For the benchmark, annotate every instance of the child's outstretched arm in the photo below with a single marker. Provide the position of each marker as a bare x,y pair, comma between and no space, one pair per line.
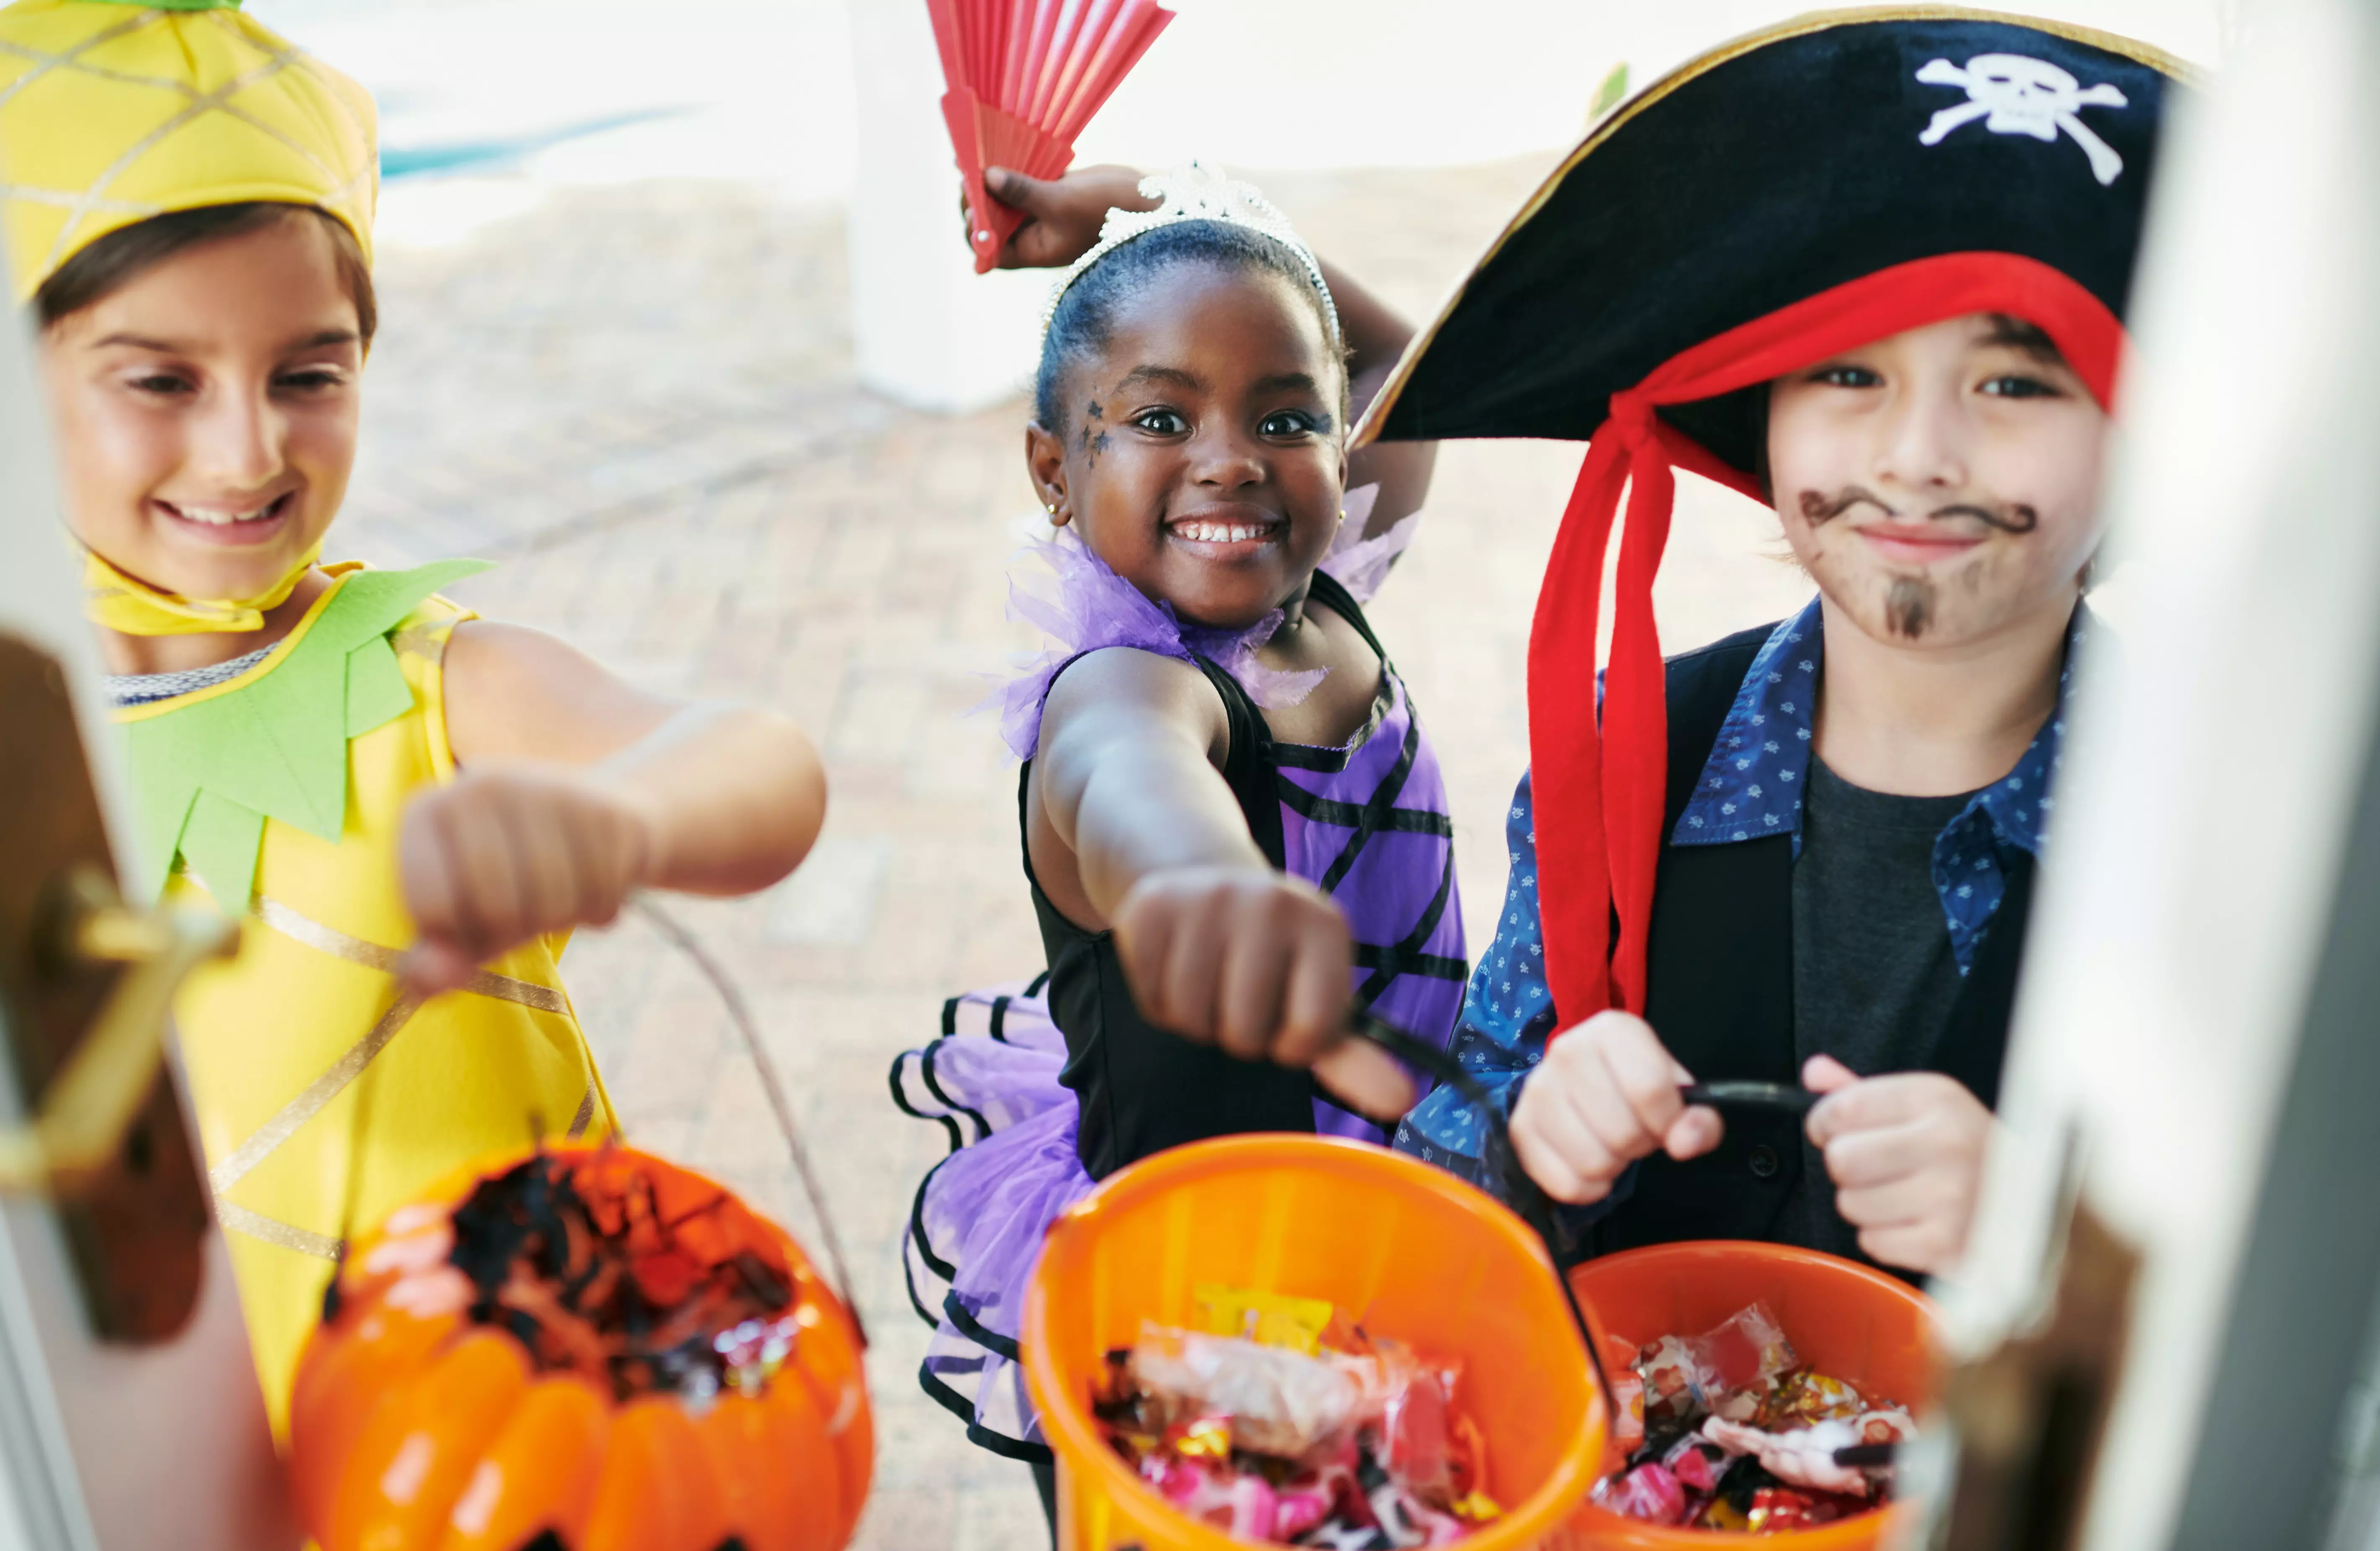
1063,220
575,790
1218,946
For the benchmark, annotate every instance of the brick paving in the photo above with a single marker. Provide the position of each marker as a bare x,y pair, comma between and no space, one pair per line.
641,399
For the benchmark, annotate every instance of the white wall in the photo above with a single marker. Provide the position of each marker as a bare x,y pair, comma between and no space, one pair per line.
829,99
1271,84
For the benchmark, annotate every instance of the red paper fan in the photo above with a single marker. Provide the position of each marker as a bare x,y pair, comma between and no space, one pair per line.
1025,77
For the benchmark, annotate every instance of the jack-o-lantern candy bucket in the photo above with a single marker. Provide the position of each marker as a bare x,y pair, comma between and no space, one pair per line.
581,1348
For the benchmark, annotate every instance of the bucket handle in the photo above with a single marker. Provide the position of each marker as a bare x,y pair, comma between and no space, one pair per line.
1496,1152
739,1012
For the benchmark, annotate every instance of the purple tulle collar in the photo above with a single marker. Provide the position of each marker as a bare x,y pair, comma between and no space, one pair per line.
1093,608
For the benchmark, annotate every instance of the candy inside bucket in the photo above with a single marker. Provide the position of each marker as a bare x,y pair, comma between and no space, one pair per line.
1821,1321
1399,1249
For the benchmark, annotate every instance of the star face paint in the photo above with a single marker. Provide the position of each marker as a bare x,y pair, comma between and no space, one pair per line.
1941,483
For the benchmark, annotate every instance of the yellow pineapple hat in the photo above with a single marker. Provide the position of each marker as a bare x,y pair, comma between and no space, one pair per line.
112,112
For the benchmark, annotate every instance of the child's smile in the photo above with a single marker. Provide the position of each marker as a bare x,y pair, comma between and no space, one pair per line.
1232,531
229,522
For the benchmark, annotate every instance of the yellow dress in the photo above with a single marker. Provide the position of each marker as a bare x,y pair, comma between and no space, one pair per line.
311,1076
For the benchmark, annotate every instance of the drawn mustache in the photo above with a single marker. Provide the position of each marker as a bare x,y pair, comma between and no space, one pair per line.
2010,516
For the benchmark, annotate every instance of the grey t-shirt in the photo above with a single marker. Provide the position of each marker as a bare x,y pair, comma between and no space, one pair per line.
1873,976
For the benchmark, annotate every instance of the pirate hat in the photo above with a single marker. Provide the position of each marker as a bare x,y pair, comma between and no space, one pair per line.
1791,195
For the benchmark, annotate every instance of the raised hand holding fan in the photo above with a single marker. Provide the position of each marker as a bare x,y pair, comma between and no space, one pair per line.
1025,77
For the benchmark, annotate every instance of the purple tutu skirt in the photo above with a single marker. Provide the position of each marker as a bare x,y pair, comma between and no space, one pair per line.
976,1228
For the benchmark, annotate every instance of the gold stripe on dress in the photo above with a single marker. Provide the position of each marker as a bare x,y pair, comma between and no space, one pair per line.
272,1231
318,1094
307,1104
585,1116
372,956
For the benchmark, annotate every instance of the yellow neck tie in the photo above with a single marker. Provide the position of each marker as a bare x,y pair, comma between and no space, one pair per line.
127,604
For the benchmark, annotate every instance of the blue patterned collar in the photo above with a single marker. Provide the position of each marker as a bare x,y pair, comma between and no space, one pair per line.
1751,786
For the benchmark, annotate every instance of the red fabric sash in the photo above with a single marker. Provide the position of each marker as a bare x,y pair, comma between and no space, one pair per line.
1599,791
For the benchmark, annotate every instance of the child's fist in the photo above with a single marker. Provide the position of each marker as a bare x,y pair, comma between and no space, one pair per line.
506,855
1906,1154
1255,961
1062,217
1605,1095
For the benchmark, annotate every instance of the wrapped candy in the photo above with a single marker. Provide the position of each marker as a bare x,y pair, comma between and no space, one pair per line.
1667,1370
1724,1516
1627,1397
1738,1357
1805,1457
1696,1463
1269,1399
1805,1396
1268,1318
1778,1509
1885,1425
1651,1493
1359,1448
1728,1431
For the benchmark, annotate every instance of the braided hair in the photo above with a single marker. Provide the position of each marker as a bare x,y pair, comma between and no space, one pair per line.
1084,319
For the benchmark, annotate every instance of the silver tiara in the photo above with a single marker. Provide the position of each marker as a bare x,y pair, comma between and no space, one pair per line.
1197,192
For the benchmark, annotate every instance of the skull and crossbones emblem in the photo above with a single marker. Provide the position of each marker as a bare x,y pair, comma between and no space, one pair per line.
2016,95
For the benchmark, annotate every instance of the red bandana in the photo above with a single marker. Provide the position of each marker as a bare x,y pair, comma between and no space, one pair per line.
1599,821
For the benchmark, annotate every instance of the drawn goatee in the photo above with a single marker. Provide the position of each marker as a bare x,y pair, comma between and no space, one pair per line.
1909,606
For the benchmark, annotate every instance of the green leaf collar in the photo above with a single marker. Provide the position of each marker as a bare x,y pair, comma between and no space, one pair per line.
206,776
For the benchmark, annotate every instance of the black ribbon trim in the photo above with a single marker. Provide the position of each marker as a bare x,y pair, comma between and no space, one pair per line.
1375,810
1408,948
918,1236
1434,966
1348,816
977,1434
900,1099
934,1086
977,1330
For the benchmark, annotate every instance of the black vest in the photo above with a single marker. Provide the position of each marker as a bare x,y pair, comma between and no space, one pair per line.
1721,988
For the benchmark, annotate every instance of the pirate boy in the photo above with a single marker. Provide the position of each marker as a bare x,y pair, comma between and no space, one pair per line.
1871,268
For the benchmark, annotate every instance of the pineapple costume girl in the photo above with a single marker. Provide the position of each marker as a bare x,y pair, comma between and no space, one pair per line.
272,787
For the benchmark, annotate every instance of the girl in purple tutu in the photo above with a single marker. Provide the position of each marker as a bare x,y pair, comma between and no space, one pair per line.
1234,831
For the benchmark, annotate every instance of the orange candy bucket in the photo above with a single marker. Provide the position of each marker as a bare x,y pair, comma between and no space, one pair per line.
1404,1248
1873,1331
414,1428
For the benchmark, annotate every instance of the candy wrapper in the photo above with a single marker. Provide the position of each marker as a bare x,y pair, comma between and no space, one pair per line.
1267,1318
1732,1432
1280,1435
1269,1399
1668,1372
1802,1458
1730,1366
1803,1397
1651,1493
1885,1425
1776,1509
